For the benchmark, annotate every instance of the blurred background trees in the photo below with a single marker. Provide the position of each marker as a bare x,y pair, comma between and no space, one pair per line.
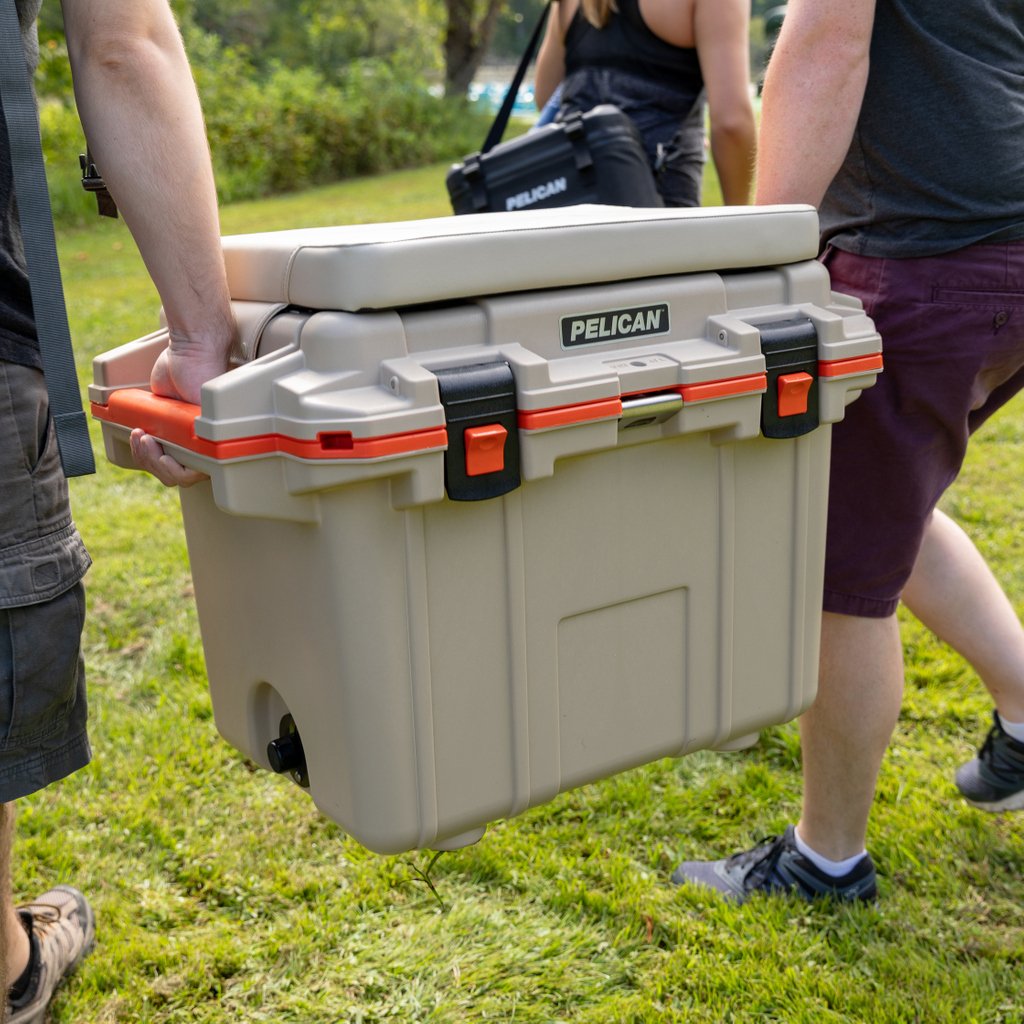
300,92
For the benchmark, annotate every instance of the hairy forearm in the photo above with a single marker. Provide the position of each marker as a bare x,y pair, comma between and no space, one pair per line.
141,114
812,96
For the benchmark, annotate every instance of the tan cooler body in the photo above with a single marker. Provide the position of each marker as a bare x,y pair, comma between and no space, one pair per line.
502,505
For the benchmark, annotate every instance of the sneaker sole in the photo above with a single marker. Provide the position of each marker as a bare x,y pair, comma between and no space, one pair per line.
90,931
1015,802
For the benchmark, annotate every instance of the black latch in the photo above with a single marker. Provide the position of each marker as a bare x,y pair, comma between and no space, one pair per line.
790,405
483,433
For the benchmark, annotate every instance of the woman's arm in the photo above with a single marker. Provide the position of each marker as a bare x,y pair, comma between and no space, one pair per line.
721,33
550,69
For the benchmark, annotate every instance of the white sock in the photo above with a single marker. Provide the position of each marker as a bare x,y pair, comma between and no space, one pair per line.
1015,730
833,868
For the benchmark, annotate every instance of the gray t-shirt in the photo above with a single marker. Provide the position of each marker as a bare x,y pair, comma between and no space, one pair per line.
937,159
28,12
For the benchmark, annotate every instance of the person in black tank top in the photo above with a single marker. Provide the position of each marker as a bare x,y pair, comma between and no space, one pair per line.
613,56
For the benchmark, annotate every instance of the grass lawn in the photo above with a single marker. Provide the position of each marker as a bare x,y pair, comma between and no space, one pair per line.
223,896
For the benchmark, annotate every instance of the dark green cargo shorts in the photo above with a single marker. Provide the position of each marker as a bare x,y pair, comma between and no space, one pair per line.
42,600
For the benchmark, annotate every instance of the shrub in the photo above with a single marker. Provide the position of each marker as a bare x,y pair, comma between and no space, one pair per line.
291,128
288,128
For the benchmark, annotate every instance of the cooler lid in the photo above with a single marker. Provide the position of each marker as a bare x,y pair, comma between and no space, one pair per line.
406,263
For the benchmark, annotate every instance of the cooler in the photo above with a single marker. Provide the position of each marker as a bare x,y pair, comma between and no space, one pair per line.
502,505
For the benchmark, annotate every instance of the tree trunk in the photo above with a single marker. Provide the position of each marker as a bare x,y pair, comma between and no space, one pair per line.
466,40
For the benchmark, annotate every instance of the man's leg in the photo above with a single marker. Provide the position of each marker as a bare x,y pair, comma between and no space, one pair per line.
62,930
844,736
953,592
845,732
955,595
14,945
887,470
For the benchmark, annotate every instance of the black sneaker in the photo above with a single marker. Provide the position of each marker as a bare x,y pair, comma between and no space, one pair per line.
775,865
994,780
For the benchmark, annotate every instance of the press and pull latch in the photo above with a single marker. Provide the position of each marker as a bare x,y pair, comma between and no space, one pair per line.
790,405
479,404
482,420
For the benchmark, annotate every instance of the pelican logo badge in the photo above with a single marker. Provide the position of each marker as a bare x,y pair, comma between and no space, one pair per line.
614,325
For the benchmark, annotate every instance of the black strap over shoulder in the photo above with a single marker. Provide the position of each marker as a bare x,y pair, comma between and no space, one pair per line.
36,218
501,120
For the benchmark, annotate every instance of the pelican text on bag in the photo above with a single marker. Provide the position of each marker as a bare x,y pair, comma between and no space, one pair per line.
545,190
614,325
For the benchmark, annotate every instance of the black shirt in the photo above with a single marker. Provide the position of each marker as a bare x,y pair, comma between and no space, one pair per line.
627,44
18,343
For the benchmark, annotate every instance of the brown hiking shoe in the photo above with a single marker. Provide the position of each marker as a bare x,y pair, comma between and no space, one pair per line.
62,929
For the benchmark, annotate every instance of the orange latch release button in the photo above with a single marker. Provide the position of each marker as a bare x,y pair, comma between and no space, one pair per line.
793,390
485,449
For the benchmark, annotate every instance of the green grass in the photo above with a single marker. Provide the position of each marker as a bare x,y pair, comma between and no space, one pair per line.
223,896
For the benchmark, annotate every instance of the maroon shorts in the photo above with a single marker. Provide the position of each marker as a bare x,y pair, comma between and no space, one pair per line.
952,332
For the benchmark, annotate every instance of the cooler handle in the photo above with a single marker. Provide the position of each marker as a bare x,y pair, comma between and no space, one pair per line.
165,418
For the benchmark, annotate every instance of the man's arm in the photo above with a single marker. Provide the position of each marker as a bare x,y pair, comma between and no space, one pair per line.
139,107
722,36
813,91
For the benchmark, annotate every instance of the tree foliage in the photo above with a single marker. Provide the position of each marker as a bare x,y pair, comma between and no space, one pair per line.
436,39
295,93
298,92
515,23
426,35
326,35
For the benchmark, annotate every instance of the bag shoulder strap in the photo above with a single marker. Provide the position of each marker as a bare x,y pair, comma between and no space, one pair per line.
33,196
501,121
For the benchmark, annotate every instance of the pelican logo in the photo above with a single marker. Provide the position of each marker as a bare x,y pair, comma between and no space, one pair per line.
614,325
536,194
